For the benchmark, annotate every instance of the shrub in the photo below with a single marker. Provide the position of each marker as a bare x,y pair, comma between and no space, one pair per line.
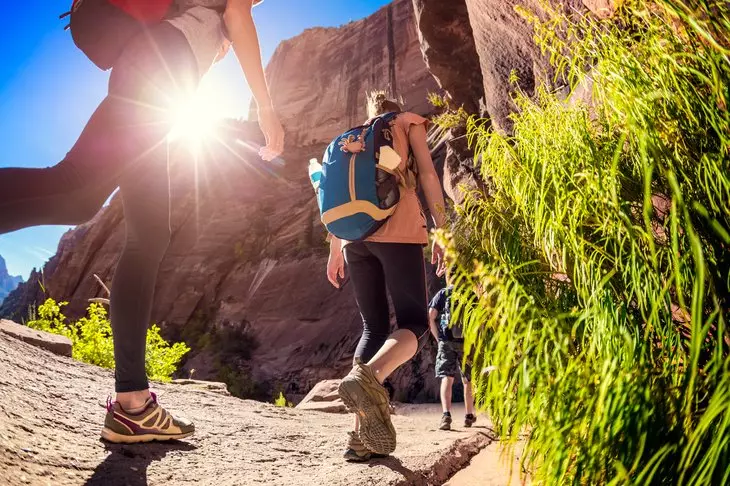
595,276
449,117
281,401
92,339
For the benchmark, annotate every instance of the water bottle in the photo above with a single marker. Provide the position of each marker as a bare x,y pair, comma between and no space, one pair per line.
315,173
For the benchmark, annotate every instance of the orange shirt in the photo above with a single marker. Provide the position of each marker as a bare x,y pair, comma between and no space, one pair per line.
408,223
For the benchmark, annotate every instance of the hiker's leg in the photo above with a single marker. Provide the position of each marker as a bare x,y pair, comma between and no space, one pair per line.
368,280
468,397
147,218
447,384
465,370
72,191
405,277
148,80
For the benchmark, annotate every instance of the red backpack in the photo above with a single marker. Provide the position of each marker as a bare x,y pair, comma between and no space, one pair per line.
102,28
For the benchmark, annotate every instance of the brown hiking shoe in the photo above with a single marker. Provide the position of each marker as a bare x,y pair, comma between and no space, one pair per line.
469,420
364,395
153,423
445,422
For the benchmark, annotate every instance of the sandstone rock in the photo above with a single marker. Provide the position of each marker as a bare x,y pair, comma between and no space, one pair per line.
319,79
447,43
50,423
460,172
323,398
52,342
505,44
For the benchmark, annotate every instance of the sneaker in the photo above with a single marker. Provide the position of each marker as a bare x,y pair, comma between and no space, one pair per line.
445,422
469,420
356,450
363,395
152,423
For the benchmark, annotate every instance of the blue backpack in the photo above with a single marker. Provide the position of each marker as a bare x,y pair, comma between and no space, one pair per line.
356,193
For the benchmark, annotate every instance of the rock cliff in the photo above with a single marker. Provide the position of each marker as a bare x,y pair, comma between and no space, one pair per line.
8,283
319,79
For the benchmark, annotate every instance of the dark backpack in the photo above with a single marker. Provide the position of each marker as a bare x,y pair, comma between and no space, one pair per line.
103,28
357,193
451,330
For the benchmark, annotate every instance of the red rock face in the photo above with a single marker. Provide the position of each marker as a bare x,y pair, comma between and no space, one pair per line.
447,43
320,78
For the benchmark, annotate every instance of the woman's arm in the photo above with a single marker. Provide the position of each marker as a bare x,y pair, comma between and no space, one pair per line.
427,177
429,182
242,33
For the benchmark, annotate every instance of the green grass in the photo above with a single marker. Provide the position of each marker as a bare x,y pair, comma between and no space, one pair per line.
601,260
92,341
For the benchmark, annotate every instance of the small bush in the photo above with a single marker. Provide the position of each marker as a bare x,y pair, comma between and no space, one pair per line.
449,117
93,343
281,401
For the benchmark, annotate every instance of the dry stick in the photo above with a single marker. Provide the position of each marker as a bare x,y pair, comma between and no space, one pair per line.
101,300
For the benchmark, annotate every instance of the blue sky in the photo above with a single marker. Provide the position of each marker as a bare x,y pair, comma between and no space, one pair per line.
48,90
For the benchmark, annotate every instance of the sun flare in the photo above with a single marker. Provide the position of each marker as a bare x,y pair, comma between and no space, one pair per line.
196,118
193,120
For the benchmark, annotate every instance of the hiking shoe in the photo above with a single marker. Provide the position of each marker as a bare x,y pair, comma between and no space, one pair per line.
152,423
356,450
363,395
469,420
445,422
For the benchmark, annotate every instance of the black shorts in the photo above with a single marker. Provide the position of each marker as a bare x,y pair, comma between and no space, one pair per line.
449,361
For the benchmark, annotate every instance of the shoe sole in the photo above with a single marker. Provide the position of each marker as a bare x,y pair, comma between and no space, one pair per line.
111,436
355,458
445,427
376,431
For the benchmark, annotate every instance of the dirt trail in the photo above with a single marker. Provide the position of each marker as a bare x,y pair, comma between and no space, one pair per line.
51,413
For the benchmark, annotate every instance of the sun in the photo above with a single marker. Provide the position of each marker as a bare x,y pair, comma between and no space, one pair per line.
193,120
196,118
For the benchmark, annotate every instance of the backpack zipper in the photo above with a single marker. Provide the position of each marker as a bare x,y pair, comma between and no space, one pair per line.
353,195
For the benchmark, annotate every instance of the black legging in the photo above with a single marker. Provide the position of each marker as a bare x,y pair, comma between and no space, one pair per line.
123,145
399,267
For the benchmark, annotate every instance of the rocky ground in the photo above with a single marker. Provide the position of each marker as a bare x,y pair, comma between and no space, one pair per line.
51,412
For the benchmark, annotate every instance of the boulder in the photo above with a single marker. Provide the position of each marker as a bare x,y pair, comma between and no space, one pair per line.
51,342
323,398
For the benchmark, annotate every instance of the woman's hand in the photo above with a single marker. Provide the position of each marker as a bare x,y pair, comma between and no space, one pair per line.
437,258
336,263
273,131
244,37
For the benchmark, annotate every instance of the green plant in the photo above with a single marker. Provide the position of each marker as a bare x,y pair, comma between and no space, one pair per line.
91,337
595,276
281,401
449,117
